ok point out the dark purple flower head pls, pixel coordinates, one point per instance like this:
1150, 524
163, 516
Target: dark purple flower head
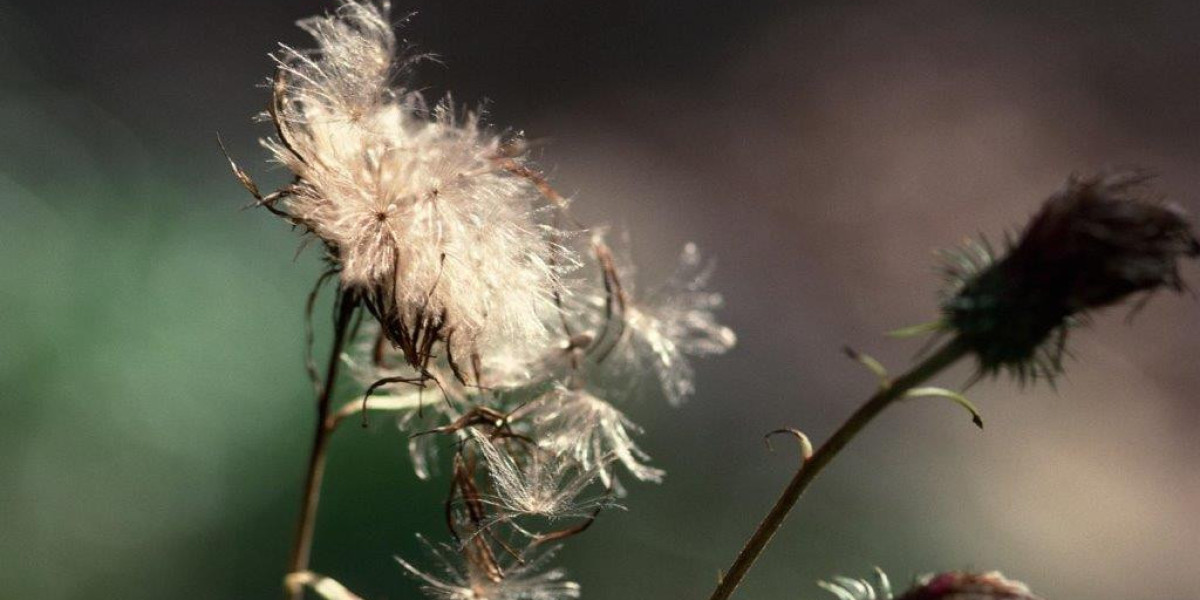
953, 585
967, 586
1093, 244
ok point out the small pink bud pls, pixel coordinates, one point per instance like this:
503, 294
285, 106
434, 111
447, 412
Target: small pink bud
957, 585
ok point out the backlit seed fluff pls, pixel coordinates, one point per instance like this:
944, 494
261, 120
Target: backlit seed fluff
1093, 244
673, 323
425, 212
544, 485
459, 578
578, 424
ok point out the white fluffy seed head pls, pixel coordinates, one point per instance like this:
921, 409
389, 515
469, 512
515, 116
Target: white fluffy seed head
422, 208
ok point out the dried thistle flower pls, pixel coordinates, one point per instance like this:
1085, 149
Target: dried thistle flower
441, 230
576, 423
424, 212
1093, 244
954, 585
542, 485
464, 579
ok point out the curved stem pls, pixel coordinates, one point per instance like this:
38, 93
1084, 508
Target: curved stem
302, 546
932, 365
354, 407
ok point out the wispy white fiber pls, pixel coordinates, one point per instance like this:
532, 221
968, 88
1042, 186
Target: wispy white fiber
673, 323
543, 485
578, 424
847, 588
461, 579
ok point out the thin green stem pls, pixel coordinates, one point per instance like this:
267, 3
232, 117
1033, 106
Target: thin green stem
932, 365
302, 547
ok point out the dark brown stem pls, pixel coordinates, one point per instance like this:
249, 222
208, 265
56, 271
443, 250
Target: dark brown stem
302, 547
935, 363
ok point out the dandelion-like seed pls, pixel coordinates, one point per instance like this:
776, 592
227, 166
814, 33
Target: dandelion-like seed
465, 579
543, 485
426, 213
576, 423
1093, 244
675, 322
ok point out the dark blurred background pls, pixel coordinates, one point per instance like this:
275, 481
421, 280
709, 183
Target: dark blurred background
155, 416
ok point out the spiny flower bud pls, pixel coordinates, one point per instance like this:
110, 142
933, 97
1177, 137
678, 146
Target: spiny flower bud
952, 585
1092, 244
967, 586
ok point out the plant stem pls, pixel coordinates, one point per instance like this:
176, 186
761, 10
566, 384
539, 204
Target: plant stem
889, 393
302, 547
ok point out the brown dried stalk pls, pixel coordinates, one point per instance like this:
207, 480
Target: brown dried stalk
347, 304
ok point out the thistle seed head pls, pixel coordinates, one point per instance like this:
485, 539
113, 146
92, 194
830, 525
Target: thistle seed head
425, 211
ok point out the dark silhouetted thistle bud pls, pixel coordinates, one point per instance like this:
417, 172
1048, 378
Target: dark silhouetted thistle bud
967, 586
1092, 244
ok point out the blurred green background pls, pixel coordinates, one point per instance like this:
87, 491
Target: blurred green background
155, 416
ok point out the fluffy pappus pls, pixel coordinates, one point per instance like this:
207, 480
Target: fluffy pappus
578, 424
427, 214
462, 578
